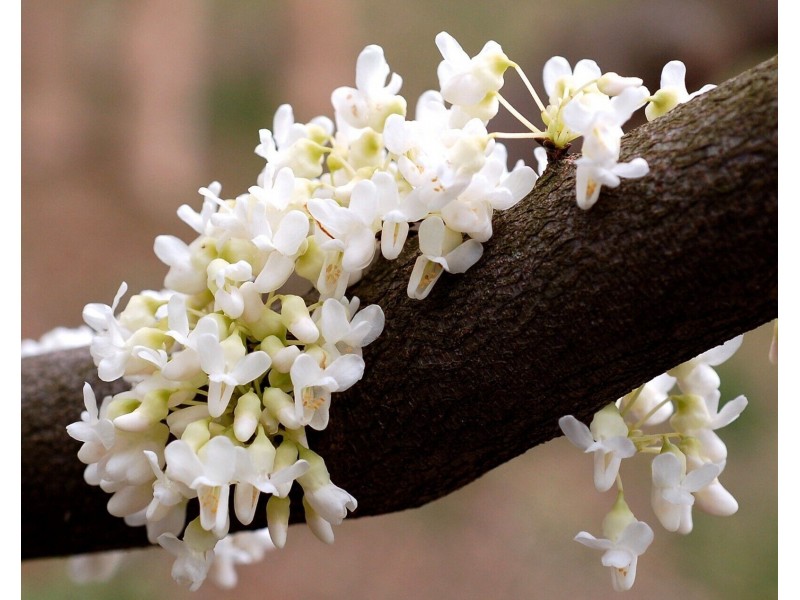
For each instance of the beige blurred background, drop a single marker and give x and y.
(130, 107)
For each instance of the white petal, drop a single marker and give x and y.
(251, 366)
(431, 236)
(666, 470)
(637, 537)
(587, 539)
(371, 69)
(275, 273)
(554, 69)
(346, 370)
(638, 167)
(291, 233)
(333, 322)
(729, 413)
(464, 256)
(700, 478)
(674, 75)
(577, 433)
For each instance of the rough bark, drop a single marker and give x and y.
(566, 311)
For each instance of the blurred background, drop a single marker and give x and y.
(129, 107)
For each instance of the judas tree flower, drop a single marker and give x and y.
(211, 200)
(713, 499)
(345, 332)
(492, 188)
(194, 554)
(561, 81)
(372, 100)
(115, 349)
(626, 540)
(322, 499)
(672, 91)
(313, 385)
(256, 473)
(241, 548)
(442, 250)
(294, 145)
(697, 376)
(228, 364)
(95, 431)
(607, 438)
(673, 487)
(169, 496)
(352, 228)
(601, 125)
(209, 472)
(468, 81)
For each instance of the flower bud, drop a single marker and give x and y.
(296, 318)
(280, 405)
(278, 519)
(246, 416)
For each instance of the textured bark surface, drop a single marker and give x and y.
(566, 311)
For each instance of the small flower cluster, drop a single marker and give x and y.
(687, 463)
(227, 368)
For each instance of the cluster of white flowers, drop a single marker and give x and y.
(688, 459)
(227, 368)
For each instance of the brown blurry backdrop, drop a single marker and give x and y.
(130, 107)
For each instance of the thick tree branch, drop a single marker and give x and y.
(566, 311)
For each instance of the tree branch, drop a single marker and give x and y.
(566, 311)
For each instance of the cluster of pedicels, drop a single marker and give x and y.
(227, 369)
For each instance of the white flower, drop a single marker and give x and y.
(713, 498)
(492, 188)
(294, 145)
(607, 439)
(322, 499)
(626, 539)
(601, 125)
(256, 473)
(209, 472)
(673, 487)
(396, 212)
(697, 376)
(351, 229)
(187, 263)
(313, 385)
(228, 364)
(169, 497)
(194, 554)
(95, 431)
(211, 201)
(468, 81)
(242, 548)
(561, 82)
(672, 91)
(442, 250)
(373, 99)
(224, 279)
(345, 332)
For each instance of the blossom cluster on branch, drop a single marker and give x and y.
(227, 368)
(687, 463)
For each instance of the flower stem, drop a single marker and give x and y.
(517, 114)
(528, 85)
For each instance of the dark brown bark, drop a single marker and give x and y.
(566, 311)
